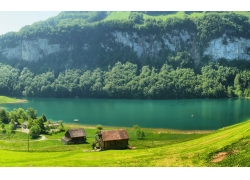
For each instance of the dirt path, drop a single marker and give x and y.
(42, 138)
(27, 131)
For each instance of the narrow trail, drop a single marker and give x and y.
(27, 131)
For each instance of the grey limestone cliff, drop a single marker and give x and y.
(223, 47)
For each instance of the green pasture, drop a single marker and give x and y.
(123, 15)
(159, 149)
(117, 15)
(4, 99)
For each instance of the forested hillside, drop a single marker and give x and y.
(157, 55)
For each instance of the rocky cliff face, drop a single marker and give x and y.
(224, 47)
(151, 44)
(228, 48)
(30, 50)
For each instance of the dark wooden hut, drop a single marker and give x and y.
(113, 139)
(25, 124)
(74, 136)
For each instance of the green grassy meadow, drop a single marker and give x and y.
(160, 148)
(5, 99)
(124, 15)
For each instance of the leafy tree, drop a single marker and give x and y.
(181, 60)
(40, 123)
(44, 118)
(21, 114)
(34, 131)
(13, 115)
(4, 116)
(30, 123)
(11, 127)
(139, 132)
(136, 17)
(99, 127)
(31, 112)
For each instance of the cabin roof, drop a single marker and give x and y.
(110, 135)
(77, 132)
(54, 124)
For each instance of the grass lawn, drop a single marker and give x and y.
(123, 15)
(118, 15)
(158, 149)
(4, 99)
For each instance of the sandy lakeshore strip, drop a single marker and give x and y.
(19, 101)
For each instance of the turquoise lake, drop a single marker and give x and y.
(185, 114)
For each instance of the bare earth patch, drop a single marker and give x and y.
(222, 155)
(219, 157)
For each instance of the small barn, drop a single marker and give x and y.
(25, 124)
(113, 139)
(74, 136)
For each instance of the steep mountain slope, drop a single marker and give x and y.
(99, 39)
(158, 55)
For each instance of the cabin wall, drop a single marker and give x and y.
(79, 140)
(116, 144)
(67, 134)
(101, 144)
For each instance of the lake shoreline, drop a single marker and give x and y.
(185, 116)
(18, 101)
(156, 130)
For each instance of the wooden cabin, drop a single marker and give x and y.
(74, 136)
(113, 139)
(25, 125)
(53, 125)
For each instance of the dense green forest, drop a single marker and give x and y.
(128, 81)
(120, 73)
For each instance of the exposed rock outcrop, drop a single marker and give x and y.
(31, 50)
(231, 49)
(151, 44)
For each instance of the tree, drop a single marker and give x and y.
(13, 115)
(40, 123)
(139, 132)
(99, 127)
(21, 114)
(182, 60)
(31, 112)
(11, 128)
(4, 116)
(44, 118)
(34, 131)
(136, 17)
(61, 127)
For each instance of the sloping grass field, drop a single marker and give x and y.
(158, 149)
(5, 99)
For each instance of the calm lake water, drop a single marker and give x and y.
(199, 114)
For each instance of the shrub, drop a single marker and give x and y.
(3, 131)
(2, 125)
(139, 132)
